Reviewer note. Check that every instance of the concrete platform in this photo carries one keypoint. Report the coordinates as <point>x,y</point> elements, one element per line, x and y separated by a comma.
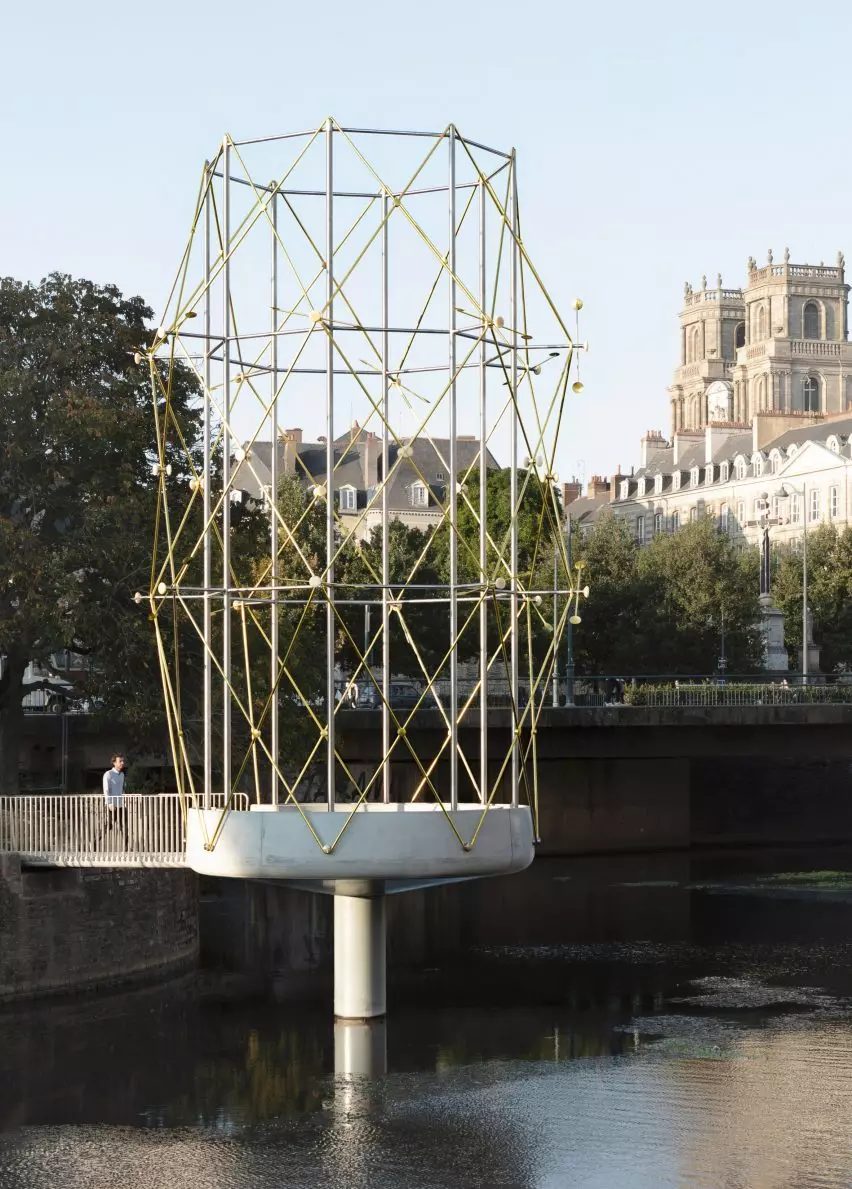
<point>385,848</point>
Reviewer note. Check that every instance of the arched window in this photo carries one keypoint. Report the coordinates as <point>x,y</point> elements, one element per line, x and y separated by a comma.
<point>740,468</point>
<point>739,335</point>
<point>760,394</point>
<point>811,393</point>
<point>695,344</point>
<point>810,320</point>
<point>761,323</point>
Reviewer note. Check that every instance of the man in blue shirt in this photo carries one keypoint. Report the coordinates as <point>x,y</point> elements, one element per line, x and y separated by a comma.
<point>113,783</point>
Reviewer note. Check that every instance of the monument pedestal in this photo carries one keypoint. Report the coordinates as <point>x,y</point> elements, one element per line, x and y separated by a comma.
<point>813,650</point>
<point>772,626</point>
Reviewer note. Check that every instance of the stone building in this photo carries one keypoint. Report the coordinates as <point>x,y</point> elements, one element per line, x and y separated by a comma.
<point>778,345</point>
<point>419,469</point>
<point>796,467</point>
<point>761,410</point>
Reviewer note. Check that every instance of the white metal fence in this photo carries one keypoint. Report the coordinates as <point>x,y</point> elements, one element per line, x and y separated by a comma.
<point>80,830</point>
<point>742,695</point>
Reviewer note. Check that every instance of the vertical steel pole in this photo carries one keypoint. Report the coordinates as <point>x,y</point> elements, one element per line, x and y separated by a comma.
<point>386,653</point>
<point>513,484</point>
<point>569,627</point>
<point>483,508</point>
<point>804,585</point>
<point>273,522</point>
<point>555,683</point>
<point>329,456</point>
<point>207,479</point>
<point>453,511</point>
<point>226,469</point>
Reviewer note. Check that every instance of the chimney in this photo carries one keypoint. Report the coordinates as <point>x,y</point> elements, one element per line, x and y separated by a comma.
<point>766,426</point>
<point>597,486</point>
<point>684,440</point>
<point>570,492</point>
<point>651,440</point>
<point>291,439</point>
<point>369,448</point>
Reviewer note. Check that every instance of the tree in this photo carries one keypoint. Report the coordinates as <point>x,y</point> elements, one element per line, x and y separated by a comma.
<point>662,609</point>
<point>701,586</point>
<point>829,593</point>
<point>612,637</point>
<point>77,495</point>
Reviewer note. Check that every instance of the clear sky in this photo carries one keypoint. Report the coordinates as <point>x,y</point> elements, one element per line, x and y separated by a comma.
<point>657,141</point>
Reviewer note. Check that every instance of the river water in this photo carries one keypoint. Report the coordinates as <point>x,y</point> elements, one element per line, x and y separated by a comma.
<point>689,1027</point>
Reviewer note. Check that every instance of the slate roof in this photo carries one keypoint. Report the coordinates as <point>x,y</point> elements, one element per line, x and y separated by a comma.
<point>429,460</point>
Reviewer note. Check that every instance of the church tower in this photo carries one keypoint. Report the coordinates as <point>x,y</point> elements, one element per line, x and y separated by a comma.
<point>796,357</point>
<point>712,327</point>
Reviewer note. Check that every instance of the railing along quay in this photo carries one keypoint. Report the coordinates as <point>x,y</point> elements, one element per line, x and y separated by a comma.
<point>732,695</point>
<point>79,830</point>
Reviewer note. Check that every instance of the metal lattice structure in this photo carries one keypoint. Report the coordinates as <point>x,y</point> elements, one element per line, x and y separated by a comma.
<point>380,289</point>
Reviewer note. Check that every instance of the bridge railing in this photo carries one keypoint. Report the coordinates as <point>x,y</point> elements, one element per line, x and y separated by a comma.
<point>79,830</point>
<point>686,694</point>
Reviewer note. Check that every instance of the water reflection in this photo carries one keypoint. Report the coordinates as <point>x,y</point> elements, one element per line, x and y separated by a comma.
<point>717,1056</point>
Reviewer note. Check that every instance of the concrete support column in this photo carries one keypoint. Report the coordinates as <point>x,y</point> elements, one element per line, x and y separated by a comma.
<point>359,957</point>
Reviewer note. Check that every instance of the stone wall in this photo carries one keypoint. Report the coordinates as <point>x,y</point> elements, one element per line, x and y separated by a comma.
<point>66,930</point>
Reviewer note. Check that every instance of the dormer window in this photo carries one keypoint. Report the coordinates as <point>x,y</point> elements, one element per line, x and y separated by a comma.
<point>693,477</point>
<point>676,481</point>
<point>348,499</point>
<point>833,443</point>
<point>775,460</point>
<point>658,484</point>
<point>725,472</point>
<point>419,495</point>
<point>740,468</point>
<point>757,463</point>
<point>640,488</point>
<point>709,473</point>
<point>624,489</point>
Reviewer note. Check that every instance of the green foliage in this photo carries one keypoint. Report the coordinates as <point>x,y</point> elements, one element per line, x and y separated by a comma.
<point>77,498</point>
<point>413,557</point>
<point>701,585</point>
<point>829,594</point>
<point>662,609</point>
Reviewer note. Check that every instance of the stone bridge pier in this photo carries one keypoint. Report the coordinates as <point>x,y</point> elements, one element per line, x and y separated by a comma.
<point>637,778</point>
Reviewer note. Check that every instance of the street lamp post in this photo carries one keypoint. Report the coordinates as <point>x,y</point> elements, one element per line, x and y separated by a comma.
<point>790,491</point>
<point>555,689</point>
<point>569,630</point>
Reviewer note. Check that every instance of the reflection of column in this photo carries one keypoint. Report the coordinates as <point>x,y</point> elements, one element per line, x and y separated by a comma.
<point>360,1048</point>
<point>360,1058</point>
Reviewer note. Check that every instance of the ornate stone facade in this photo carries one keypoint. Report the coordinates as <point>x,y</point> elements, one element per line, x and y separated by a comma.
<point>778,345</point>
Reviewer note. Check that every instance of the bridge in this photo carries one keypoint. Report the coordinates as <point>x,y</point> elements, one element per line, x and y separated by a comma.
<point>622,777</point>
<point>76,830</point>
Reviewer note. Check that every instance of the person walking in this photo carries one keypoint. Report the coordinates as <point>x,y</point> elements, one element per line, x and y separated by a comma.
<point>116,812</point>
